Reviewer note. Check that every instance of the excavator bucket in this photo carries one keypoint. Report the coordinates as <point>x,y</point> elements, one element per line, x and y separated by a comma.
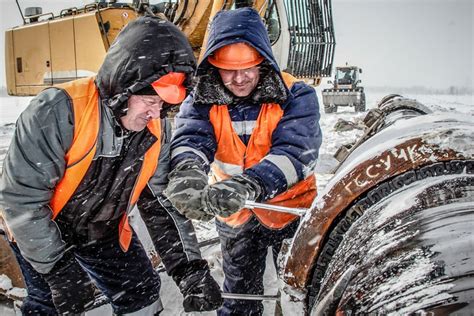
<point>312,40</point>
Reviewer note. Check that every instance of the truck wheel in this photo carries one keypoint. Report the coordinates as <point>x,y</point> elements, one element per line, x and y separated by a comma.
<point>360,107</point>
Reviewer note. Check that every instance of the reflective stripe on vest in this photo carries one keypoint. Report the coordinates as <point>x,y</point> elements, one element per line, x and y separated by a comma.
<point>85,101</point>
<point>232,157</point>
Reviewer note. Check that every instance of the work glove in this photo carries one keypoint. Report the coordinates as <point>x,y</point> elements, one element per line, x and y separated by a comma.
<point>71,287</point>
<point>186,182</point>
<point>200,291</point>
<point>227,197</point>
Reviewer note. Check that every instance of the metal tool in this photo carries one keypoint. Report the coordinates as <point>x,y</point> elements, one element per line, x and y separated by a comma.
<point>276,208</point>
<point>251,297</point>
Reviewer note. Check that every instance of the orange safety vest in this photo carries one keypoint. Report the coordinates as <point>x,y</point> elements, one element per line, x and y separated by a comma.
<point>85,100</point>
<point>232,151</point>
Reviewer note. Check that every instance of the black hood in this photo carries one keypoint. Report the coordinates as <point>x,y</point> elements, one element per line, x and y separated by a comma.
<point>146,49</point>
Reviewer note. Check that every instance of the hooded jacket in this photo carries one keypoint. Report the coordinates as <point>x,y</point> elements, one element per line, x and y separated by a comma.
<point>297,137</point>
<point>146,49</point>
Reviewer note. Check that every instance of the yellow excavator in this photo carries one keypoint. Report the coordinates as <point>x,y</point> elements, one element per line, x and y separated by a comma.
<point>49,49</point>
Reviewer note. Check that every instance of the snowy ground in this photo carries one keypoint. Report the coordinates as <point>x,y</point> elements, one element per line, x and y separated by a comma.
<point>10,107</point>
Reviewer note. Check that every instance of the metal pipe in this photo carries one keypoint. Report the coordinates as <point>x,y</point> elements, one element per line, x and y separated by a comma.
<point>250,297</point>
<point>276,208</point>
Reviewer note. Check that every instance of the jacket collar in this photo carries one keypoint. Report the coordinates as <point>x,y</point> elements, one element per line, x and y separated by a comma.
<point>211,90</point>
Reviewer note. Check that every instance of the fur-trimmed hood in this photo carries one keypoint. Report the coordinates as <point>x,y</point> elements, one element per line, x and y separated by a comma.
<point>228,27</point>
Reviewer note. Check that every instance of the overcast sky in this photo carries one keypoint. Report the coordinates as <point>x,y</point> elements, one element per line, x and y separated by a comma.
<point>398,43</point>
<point>407,42</point>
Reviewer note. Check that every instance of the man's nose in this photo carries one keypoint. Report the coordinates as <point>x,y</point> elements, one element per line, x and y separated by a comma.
<point>239,76</point>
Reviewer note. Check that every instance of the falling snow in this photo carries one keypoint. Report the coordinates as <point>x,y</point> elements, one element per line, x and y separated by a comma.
<point>10,107</point>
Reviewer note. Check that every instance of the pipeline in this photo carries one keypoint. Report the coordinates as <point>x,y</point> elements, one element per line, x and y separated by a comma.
<point>397,214</point>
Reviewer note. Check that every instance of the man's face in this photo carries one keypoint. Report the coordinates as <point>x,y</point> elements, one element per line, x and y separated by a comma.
<point>241,82</point>
<point>141,109</point>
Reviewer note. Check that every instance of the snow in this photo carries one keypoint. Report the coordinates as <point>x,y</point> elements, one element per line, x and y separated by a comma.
<point>431,128</point>
<point>445,105</point>
<point>5,282</point>
<point>408,199</point>
<point>389,226</point>
<point>17,292</point>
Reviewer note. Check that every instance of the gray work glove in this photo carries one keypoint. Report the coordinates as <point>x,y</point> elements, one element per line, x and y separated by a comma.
<point>186,182</point>
<point>227,197</point>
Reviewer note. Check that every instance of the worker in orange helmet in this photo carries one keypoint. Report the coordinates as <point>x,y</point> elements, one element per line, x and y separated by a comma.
<point>83,155</point>
<point>256,130</point>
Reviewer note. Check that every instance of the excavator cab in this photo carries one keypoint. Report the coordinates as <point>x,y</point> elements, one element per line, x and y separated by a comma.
<point>49,49</point>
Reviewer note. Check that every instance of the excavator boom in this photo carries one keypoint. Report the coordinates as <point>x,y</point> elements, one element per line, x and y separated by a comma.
<point>51,49</point>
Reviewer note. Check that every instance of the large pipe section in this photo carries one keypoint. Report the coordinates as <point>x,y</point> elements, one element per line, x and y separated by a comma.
<point>392,231</point>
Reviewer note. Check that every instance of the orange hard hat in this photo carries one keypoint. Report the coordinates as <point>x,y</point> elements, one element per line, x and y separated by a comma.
<point>235,56</point>
<point>170,87</point>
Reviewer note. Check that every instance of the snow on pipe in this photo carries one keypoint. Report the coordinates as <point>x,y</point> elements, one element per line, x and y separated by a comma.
<point>398,210</point>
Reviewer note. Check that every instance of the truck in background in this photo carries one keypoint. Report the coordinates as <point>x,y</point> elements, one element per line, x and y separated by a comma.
<point>346,90</point>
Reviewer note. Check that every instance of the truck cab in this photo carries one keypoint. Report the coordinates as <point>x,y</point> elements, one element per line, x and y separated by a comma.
<point>347,77</point>
<point>345,90</point>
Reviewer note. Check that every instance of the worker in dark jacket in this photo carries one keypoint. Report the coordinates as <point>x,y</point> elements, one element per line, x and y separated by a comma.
<point>257,130</point>
<point>82,156</point>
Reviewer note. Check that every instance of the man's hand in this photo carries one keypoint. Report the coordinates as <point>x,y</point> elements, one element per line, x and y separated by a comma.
<point>186,182</point>
<point>71,287</point>
<point>228,197</point>
<point>200,291</point>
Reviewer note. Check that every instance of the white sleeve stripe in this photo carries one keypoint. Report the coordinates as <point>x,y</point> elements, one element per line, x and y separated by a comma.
<point>286,166</point>
<point>244,127</point>
<point>184,149</point>
<point>228,168</point>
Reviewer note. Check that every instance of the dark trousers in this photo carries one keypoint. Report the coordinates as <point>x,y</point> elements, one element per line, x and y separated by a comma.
<point>244,251</point>
<point>38,301</point>
<point>127,279</point>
